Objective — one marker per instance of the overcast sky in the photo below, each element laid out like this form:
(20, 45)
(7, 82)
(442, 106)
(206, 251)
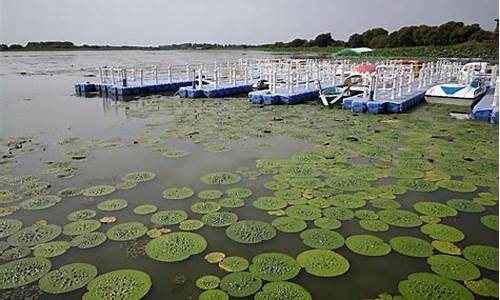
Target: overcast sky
(154, 22)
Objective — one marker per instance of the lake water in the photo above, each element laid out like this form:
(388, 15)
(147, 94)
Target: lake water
(37, 100)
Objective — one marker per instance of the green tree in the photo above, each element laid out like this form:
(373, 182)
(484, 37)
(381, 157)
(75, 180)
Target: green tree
(323, 40)
(356, 40)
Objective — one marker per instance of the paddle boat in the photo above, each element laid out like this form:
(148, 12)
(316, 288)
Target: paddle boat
(457, 93)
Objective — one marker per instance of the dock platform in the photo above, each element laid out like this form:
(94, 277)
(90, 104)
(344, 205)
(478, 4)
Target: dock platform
(210, 91)
(399, 104)
(118, 90)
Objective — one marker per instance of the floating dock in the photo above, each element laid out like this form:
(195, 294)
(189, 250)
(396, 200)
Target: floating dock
(119, 91)
(212, 91)
(283, 96)
(399, 104)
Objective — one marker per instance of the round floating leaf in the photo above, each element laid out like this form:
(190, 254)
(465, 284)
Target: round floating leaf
(347, 183)
(399, 218)
(119, 284)
(465, 205)
(338, 213)
(15, 253)
(215, 257)
(274, 266)
(81, 227)
(283, 290)
(385, 204)
(177, 193)
(303, 212)
(191, 225)
(446, 247)
(68, 278)
(210, 194)
(411, 246)
(430, 219)
(276, 185)
(23, 271)
(326, 223)
(490, 221)
(269, 203)
(89, 240)
(405, 173)
(428, 286)
(208, 282)
(51, 249)
(483, 256)
(322, 239)
(419, 185)
(9, 226)
(483, 287)
(323, 263)
(98, 190)
(250, 232)
(234, 264)
(289, 225)
(40, 202)
(453, 267)
(288, 194)
(221, 178)
(374, 225)
(365, 214)
(145, 209)
(176, 246)
(139, 176)
(213, 295)
(112, 205)
(442, 232)
(126, 185)
(239, 193)
(169, 217)
(219, 219)
(306, 183)
(205, 207)
(34, 235)
(240, 284)
(299, 170)
(434, 209)
(126, 231)
(367, 245)
(347, 201)
(70, 192)
(457, 186)
(173, 153)
(231, 202)
(82, 214)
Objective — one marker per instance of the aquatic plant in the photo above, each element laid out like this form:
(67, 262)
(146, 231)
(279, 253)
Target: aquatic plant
(483, 287)
(240, 284)
(222, 178)
(82, 214)
(465, 205)
(289, 225)
(283, 290)
(457, 186)
(89, 240)
(126, 185)
(173, 153)
(142, 176)
(145, 209)
(119, 284)
(327, 223)
(269, 203)
(432, 287)
(419, 185)
(299, 170)
(347, 201)
(169, 217)
(274, 266)
(175, 246)
(23, 271)
(348, 184)
(214, 294)
(322, 239)
(210, 194)
(15, 253)
(126, 231)
(339, 213)
(81, 227)
(215, 257)
(239, 192)
(373, 225)
(68, 278)
(177, 193)
(40, 202)
(34, 235)
(98, 190)
(191, 225)
(112, 205)
(205, 207)
(367, 245)
(482, 256)
(288, 194)
(323, 263)
(385, 203)
(411, 246)
(9, 226)
(365, 214)
(231, 202)
(453, 267)
(70, 192)
(276, 185)
(490, 221)
(399, 218)
(250, 231)
(51, 249)
(207, 282)
(156, 232)
(234, 264)
(303, 212)
(219, 219)
(446, 247)
(442, 232)
(435, 209)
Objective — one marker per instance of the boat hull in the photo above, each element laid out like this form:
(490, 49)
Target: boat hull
(452, 100)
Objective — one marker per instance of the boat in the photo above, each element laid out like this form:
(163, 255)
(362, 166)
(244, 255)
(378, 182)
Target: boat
(356, 83)
(457, 93)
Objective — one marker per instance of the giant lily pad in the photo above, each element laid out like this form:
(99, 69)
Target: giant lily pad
(303, 212)
(214, 294)
(98, 190)
(289, 225)
(453, 267)
(23, 271)
(490, 221)
(112, 205)
(126, 231)
(250, 232)
(169, 217)
(457, 186)
(323, 263)
(347, 201)
(219, 219)
(239, 192)
(191, 225)
(240, 284)
(483, 256)
(326, 223)
(68, 278)
(81, 227)
(339, 213)
(465, 205)
(221, 178)
(139, 176)
(82, 214)
(374, 225)
(432, 287)
(145, 209)
(446, 247)
(411, 246)
(399, 218)
(483, 287)
(89, 240)
(322, 239)
(234, 264)
(210, 194)
(34, 235)
(347, 183)
(207, 282)
(274, 266)
(283, 290)
(51, 249)
(40, 202)
(177, 193)
(231, 202)
(367, 245)
(176, 246)
(205, 207)
(269, 203)
(9, 226)
(119, 284)
(442, 232)
(434, 209)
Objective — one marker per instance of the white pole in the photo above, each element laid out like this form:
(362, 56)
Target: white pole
(100, 75)
(200, 79)
(169, 72)
(216, 79)
(142, 77)
(393, 88)
(188, 75)
(156, 74)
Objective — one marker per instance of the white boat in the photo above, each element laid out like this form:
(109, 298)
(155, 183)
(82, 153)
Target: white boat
(456, 93)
